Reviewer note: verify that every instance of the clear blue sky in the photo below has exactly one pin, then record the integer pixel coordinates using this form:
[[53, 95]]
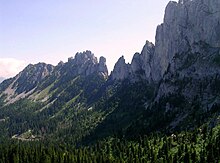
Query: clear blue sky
[[53, 30]]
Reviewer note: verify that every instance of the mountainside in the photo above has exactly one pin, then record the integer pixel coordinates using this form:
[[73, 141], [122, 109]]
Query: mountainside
[[49, 99], [183, 66], [186, 24], [190, 41], [25, 82], [171, 86]]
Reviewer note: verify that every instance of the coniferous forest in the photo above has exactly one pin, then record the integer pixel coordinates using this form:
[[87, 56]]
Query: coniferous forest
[[201, 145]]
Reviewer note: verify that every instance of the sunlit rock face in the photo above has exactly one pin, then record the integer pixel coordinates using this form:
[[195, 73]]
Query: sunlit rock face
[[85, 63], [141, 63], [121, 70], [187, 52], [140, 67], [102, 67], [185, 23]]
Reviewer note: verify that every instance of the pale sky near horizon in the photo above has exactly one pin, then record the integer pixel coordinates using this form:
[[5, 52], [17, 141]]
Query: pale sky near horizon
[[54, 30]]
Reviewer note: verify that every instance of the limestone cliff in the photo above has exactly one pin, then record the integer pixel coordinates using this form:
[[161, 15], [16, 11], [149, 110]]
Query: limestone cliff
[[186, 23], [140, 67], [121, 70], [85, 63]]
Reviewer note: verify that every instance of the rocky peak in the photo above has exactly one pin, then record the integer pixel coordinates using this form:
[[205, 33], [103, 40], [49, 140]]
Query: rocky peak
[[141, 62], [136, 63], [85, 63], [61, 63], [140, 67], [102, 67], [185, 23], [31, 76], [25, 82], [83, 57], [121, 70], [144, 60], [39, 70]]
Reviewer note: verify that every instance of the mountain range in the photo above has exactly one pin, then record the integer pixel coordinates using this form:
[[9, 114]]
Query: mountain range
[[168, 87]]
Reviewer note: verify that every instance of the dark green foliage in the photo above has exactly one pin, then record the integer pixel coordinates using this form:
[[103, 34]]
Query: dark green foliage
[[201, 145], [67, 114], [217, 60], [19, 117], [123, 108]]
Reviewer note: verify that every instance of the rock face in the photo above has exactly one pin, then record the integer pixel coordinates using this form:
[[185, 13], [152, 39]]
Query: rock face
[[185, 61], [25, 82], [102, 67], [85, 63], [31, 76], [140, 67], [185, 23], [141, 63], [121, 70]]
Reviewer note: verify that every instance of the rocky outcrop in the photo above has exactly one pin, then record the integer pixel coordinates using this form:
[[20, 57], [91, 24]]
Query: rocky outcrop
[[121, 70], [185, 61], [185, 23], [31, 76], [141, 63], [194, 75], [102, 67], [187, 57], [84, 57], [186, 51], [140, 67], [85, 63]]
